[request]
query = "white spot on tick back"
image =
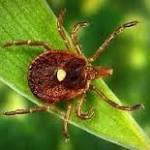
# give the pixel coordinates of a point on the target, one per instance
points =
(61, 74)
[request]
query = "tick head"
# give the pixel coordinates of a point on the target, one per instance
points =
(97, 72)
(103, 71)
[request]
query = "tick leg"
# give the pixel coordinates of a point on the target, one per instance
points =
(113, 104)
(74, 37)
(26, 111)
(106, 43)
(84, 115)
(66, 119)
(28, 42)
(60, 22)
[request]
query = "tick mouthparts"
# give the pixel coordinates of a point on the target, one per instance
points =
(102, 72)
(107, 71)
(110, 71)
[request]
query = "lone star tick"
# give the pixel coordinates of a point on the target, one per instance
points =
(57, 75)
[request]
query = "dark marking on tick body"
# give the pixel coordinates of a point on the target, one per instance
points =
(57, 75)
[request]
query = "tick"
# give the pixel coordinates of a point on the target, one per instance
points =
(61, 75)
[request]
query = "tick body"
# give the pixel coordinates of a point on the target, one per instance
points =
(59, 75)
(47, 80)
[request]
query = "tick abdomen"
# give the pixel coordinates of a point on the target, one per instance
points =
(45, 74)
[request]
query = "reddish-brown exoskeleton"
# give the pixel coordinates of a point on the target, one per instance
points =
(57, 75)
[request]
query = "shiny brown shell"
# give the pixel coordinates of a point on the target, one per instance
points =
(43, 81)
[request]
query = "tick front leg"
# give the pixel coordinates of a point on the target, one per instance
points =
(60, 22)
(106, 43)
(26, 111)
(28, 43)
(74, 37)
(80, 113)
(113, 104)
(66, 119)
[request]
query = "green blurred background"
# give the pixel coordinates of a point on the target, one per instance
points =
(128, 55)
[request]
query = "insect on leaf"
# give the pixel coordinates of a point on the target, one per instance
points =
(33, 19)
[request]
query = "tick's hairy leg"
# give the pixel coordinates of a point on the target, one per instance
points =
(112, 103)
(43, 44)
(74, 37)
(107, 42)
(26, 110)
(60, 28)
(80, 113)
(65, 121)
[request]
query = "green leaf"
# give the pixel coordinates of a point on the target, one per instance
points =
(33, 19)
